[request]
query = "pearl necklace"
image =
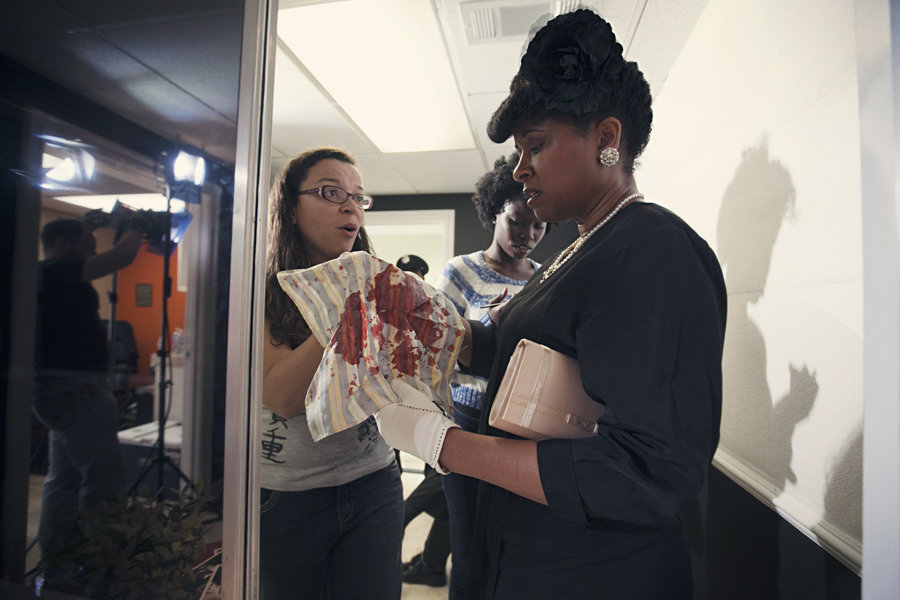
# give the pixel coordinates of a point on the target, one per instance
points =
(580, 240)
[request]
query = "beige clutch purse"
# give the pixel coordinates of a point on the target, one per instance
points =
(541, 396)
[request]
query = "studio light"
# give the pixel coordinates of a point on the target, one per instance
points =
(66, 165)
(188, 167)
(185, 177)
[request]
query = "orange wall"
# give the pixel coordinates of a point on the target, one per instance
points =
(147, 320)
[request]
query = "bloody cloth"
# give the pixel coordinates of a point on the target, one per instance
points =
(376, 323)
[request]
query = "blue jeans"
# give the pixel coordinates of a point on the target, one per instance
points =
(462, 496)
(333, 543)
(85, 462)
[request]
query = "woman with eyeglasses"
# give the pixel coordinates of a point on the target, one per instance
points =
(331, 524)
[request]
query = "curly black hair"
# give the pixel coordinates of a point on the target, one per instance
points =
(574, 69)
(495, 188)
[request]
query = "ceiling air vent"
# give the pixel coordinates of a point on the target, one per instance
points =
(499, 20)
(565, 6)
(510, 20)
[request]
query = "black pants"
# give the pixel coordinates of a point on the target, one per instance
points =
(428, 497)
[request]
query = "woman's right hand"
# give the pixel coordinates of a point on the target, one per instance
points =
(496, 305)
(465, 352)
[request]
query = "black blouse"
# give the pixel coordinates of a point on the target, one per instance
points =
(642, 306)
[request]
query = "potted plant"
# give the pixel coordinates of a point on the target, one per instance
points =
(133, 548)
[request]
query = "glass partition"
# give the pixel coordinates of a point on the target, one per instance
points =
(244, 389)
(181, 408)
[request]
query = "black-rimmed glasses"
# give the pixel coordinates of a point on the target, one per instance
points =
(338, 196)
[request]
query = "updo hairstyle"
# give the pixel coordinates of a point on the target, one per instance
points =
(574, 69)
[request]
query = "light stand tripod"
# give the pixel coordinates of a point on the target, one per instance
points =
(112, 335)
(95, 219)
(113, 298)
(162, 460)
(112, 342)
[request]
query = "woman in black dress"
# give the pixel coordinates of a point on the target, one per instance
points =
(638, 299)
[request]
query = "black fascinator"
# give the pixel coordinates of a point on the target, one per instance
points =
(568, 68)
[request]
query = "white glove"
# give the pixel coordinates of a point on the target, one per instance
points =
(414, 425)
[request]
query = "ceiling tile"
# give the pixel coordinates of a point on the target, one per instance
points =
(480, 67)
(492, 154)
(200, 55)
(79, 62)
(32, 20)
(304, 118)
(112, 13)
(380, 177)
(481, 109)
(185, 119)
(436, 172)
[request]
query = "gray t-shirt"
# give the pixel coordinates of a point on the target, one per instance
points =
(291, 461)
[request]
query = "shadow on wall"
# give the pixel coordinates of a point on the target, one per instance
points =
(754, 428)
(743, 554)
(844, 489)
(845, 485)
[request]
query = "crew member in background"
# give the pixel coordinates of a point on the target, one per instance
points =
(72, 394)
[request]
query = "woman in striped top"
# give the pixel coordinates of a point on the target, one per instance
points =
(473, 281)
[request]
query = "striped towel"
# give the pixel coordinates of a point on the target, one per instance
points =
(376, 323)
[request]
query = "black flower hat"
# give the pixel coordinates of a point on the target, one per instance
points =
(567, 69)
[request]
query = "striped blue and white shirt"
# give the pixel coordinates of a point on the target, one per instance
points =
(470, 283)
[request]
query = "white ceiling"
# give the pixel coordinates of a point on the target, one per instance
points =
(172, 66)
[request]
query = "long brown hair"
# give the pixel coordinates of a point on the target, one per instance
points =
(286, 248)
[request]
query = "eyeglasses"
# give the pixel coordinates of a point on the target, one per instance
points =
(339, 196)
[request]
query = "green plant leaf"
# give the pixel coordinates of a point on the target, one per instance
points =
(136, 548)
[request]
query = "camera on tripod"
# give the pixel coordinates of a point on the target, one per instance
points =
(150, 224)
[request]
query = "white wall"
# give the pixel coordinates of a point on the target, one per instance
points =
(425, 233)
(756, 143)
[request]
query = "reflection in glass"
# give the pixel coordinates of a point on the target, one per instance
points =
(88, 113)
(127, 401)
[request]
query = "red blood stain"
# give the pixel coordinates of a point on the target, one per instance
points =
(401, 304)
(348, 337)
